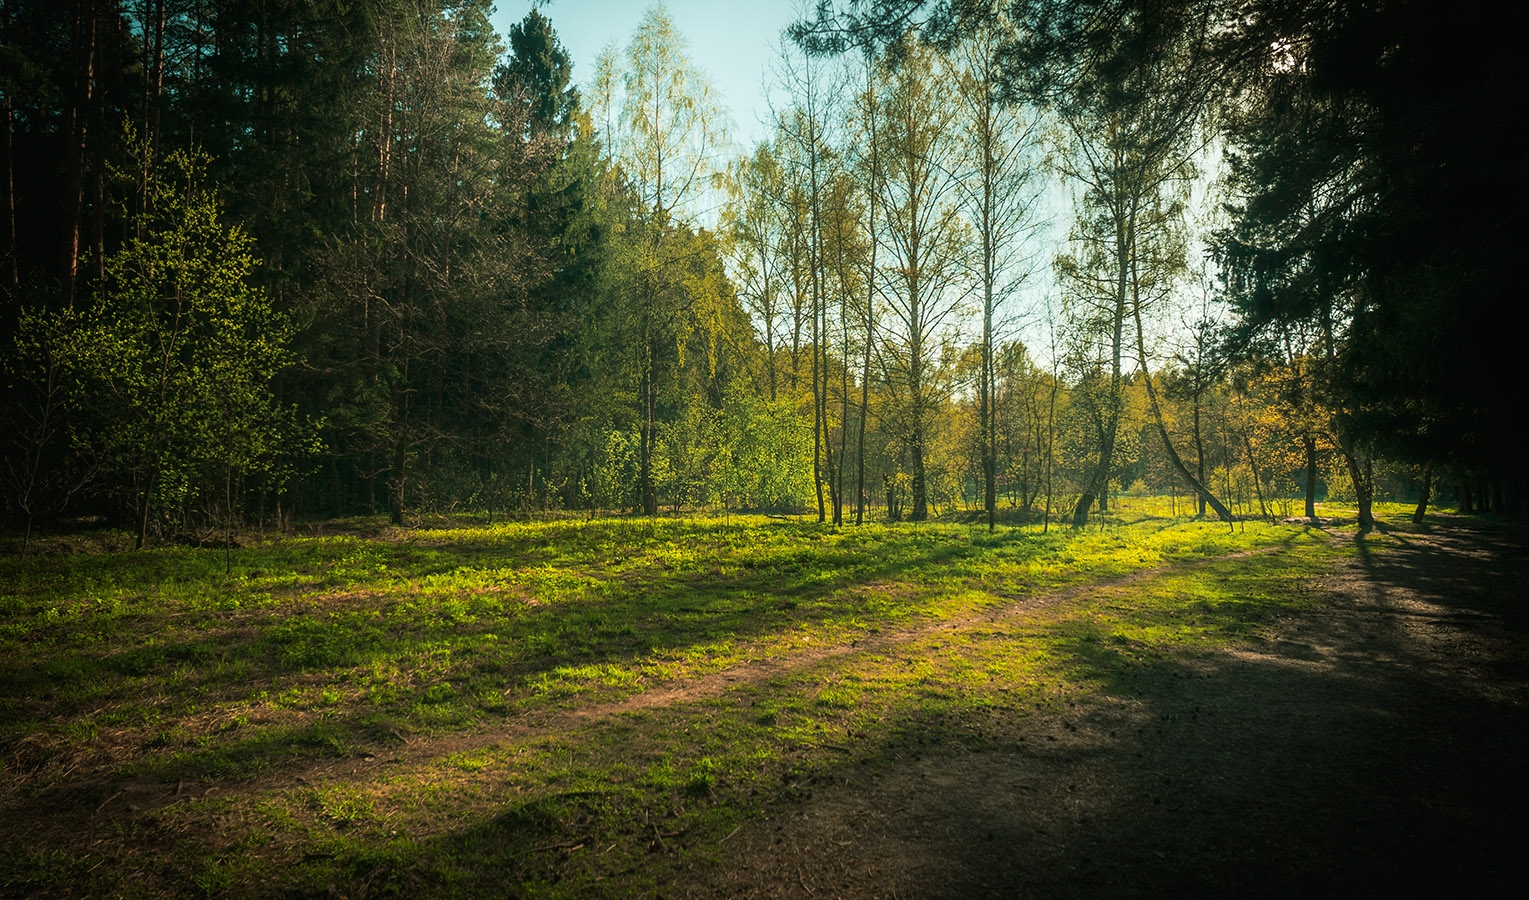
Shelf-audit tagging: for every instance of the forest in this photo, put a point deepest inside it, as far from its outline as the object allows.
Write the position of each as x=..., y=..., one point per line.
x=277, y=261
x=1072, y=450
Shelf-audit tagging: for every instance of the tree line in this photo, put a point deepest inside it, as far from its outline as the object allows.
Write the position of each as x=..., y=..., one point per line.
x=319, y=259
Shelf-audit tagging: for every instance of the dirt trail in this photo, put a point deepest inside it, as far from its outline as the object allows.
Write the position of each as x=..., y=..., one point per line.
x=1374, y=747
x=801, y=658
x=133, y=797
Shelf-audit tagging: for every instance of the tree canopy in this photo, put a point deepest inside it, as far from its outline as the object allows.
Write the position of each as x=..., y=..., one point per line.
x=445, y=270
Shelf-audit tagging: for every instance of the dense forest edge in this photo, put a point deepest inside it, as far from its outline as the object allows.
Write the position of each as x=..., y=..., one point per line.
x=272, y=263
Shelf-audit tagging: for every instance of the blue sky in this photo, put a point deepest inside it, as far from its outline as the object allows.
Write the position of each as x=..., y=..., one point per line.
x=733, y=41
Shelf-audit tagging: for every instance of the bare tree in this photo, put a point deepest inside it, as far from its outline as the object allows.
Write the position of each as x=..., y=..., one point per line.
x=1001, y=197
x=925, y=242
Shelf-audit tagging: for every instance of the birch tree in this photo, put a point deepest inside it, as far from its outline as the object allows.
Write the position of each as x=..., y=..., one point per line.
x=670, y=130
x=924, y=244
x=1001, y=196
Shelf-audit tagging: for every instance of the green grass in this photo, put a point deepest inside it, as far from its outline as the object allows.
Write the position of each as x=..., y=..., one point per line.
x=469, y=711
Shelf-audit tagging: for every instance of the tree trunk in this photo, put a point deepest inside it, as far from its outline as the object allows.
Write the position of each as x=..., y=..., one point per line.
x=142, y=511
x=1309, y=442
x=989, y=439
x=1097, y=481
x=1258, y=487
x=84, y=48
x=838, y=463
x=1203, y=494
x=649, y=496
x=1364, y=490
x=1199, y=454
x=865, y=402
x=920, y=511
x=1425, y=496
x=817, y=409
x=8, y=212
x=400, y=464
x=843, y=425
x=154, y=46
x=1050, y=443
x=870, y=310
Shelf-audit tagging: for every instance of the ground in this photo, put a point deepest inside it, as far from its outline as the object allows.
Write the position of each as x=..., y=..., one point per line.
x=1373, y=747
x=1161, y=709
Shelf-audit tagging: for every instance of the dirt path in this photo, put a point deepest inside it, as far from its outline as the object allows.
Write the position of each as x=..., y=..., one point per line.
x=132, y=797
x=1375, y=747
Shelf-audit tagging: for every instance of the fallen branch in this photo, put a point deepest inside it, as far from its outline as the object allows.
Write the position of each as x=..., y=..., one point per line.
x=570, y=846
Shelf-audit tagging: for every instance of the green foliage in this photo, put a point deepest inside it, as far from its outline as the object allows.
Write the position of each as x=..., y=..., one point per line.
x=1361, y=138
x=173, y=365
x=612, y=471
x=538, y=72
x=503, y=300
x=764, y=458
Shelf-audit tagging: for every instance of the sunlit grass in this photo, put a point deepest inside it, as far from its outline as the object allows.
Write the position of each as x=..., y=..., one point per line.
x=525, y=652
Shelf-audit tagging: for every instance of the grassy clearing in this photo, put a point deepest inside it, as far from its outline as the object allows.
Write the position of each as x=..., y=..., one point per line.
x=563, y=709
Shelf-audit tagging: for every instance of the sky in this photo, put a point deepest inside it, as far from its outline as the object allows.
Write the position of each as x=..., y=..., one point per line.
x=733, y=41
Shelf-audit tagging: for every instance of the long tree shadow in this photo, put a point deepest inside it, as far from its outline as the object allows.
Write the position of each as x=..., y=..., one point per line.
x=985, y=808
x=657, y=608
x=1349, y=753
x=643, y=613
x=1359, y=754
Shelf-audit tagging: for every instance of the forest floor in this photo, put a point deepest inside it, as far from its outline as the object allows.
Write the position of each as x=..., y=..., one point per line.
x=1372, y=744
x=1155, y=707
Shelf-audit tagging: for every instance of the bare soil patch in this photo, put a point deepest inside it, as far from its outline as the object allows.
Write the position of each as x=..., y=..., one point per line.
x=1372, y=746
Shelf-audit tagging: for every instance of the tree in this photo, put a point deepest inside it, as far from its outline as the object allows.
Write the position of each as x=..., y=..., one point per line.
x=178, y=358
x=559, y=214
x=1200, y=365
x=1359, y=131
x=868, y=170
x=805, y=130
x=756, y=247
x=539, y=73
x=844, y=258
x=924, y=242
x=436, y=280
x=1135, y=137
x=1000, y=200
x=670, y=123
x=671, y=120
x=1288, y=425
x=43, y=469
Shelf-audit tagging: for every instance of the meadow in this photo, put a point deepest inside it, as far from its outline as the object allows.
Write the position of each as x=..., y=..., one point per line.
x=557, y=709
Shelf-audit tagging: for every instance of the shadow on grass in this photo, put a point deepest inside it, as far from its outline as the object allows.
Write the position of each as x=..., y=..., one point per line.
x=470, y=644
x=665, y=606
x=1351, y=755
x=1370, y=751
